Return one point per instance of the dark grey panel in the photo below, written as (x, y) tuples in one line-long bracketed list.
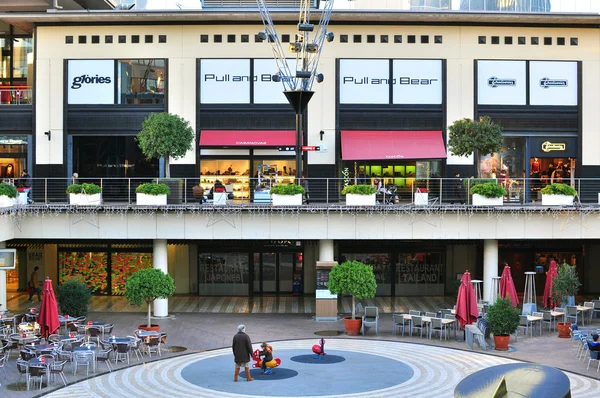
[(532, 120), (108, 118), (358, 119), (246, 119), (16, 118)]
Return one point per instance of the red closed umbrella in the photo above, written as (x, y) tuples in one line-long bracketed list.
[(507, 286), (550, 276), (466, 302), (48, 318)]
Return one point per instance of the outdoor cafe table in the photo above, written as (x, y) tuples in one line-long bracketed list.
[(47, 363), (556, 314), (38, 348), (23, 340), (427, 320), (97, 324), (119, 340), (83, 348), (583, 311), (538, 319)]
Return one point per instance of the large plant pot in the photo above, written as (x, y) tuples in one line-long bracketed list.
[(82, 199), (352, 326), (564, 330), (501, 342), (557, 200), (176, 187), (5, 201), (150, 200), (360, 200), (480, 200), (151, 328), (287, 200)]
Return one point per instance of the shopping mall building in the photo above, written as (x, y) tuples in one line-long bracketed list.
[(75, 87)]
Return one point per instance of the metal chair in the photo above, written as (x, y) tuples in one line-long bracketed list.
[(572, 312), (104, 356), (589, 304), (153, 344), (438, 326), (23, 369), (136, 344), (9, 345), (3, 359), (414, 312), (525, 324), (431, 314), (417, 323), (547, 319), (82, 358), (452, 326), (36, 373), (122, 351), (370, 318), (594, 356), (94, 332), (538, 314), (26, 355), (399, 322), (596, 307), (57, 368)]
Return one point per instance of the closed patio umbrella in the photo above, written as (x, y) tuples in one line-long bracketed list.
[(507, 287), (48, 318), (550, 276), (466, 302)]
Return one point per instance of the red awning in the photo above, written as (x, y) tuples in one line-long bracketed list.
[(380, 145), (247, 138)]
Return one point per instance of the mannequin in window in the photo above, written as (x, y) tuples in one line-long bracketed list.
[(535, 167), (9, 171), (557, 175), (493, 173)]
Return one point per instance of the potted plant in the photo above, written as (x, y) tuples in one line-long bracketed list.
[(357, 280), (8, 195), (480, 137), (504, 321), (84, 194), (488, 194), (152, 194), (287, 195), (558, 195), (564, 286), (147, 285), (73, 297), (359, 195)]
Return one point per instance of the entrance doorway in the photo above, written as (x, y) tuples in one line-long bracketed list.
[(277, 273)]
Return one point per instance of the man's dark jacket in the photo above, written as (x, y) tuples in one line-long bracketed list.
[(242, 347)]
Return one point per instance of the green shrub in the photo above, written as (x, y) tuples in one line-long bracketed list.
[(565, 285), (489, 190), (8, 190), (73, 298), (559, 189), (360, 189), (87, 188), (287, 189), (503, 317), (353, 278), (153, 189)]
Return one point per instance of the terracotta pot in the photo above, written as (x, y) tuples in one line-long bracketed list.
[(501, 342), (151, 328), (352, 326), (564, 330)]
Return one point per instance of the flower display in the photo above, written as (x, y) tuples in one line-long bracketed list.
[(90, 267), (123, 265)]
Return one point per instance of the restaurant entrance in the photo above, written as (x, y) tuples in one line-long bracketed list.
[(277, 273)]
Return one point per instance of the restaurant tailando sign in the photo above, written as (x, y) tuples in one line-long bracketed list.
[(228, 81), (506, 82), (367, 81)]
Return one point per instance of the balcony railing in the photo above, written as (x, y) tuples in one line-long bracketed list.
[(15, 96), (321, 191)]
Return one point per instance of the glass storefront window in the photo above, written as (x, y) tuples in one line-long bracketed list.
[(223, 274), (141, 81), (21, 48), (123, 265), (381, 269), (4, 59), (13, 156), (421, 273), (233, 173), (90, 267)]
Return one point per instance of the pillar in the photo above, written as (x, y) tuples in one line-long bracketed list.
[(326, 250), (3, 282), (490, 266), (160, 258)]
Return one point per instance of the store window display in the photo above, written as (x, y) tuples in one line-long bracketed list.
[(13, 157), (233, 173), (141, 81)]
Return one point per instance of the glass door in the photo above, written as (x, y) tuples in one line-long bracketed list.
[(276, 273), (269, 273)]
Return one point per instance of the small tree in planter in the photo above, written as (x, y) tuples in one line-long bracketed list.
[(152, 194), (558, 194), (357, 280), (481, 137), (73, 297), (147, 285), (504, 321), (287, 195), (84, 194), (8, 195)]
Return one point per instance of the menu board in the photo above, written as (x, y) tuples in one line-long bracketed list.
[(7, 258), (322, 291)]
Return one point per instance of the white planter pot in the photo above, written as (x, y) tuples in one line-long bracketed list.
[(150, 200), (557, 200), (22, 198), (479, 200), (287, 200), (360, 200), (80, 199), (421, 198), (219, 198), (5, 201)]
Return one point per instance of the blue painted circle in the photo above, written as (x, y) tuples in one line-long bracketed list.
[(325, 360), (358, 373)]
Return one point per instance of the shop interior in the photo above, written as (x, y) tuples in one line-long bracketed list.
[(13, 157), (550, 171)]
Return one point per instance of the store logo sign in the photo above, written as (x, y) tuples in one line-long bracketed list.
[(250, 143), (78, 81), (403, 80), (394, 156), (547, 83), (554, 146), (494, 82)]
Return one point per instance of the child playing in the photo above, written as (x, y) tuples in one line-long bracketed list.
[(267, 352)]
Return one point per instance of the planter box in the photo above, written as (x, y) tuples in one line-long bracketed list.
[(421, 198), (360, 200), (5, 201), (150, 200), (479, 200), (80, 199), (557, 200), (287, 200)]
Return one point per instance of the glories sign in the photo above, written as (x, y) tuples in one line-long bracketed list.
[(91, 82)]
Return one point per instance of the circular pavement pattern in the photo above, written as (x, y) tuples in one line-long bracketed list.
[(436, 372)]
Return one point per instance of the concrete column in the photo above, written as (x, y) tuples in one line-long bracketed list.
[(161, 261), (326, 250), (490, 266), (3, 283)]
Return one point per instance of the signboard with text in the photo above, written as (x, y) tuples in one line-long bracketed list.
[(91, 81), (552, 83), (417, 81), (8, 259), (364, 81), (322, 290), (501, 83)]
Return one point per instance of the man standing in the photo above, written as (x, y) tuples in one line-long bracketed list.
[(242, 350), (34, 284)]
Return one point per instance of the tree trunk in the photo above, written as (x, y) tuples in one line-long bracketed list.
[(167, 167), (149, 315), (353, 309)]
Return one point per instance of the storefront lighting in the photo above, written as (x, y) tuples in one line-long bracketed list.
[(330, 36), (312, 48), (295, 47), (262, 36), (306, 27), (276, 78), (320, 78)]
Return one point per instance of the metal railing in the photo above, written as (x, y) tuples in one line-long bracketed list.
[(393, 191), (15, 96)]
